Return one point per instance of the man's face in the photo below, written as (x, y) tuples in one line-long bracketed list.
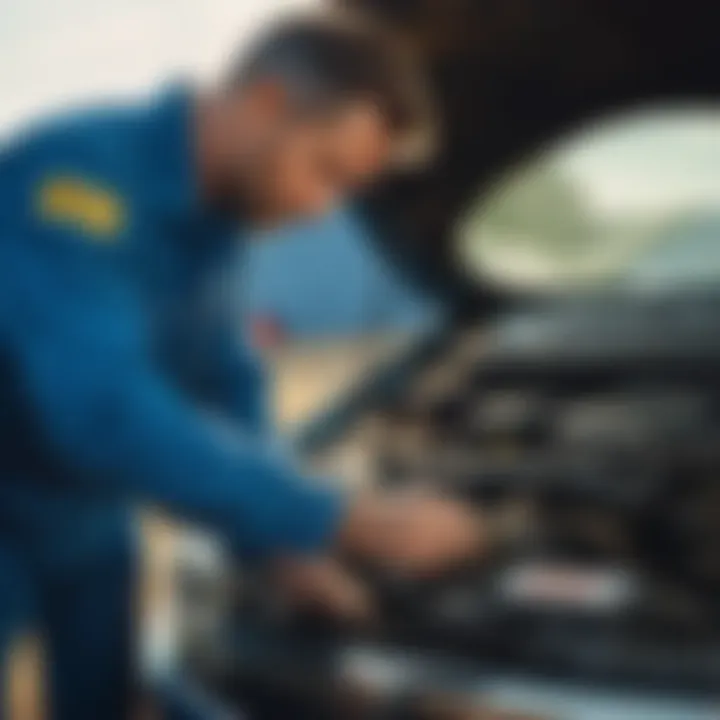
[(302, 166)]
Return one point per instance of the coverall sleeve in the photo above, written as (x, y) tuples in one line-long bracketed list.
[(72, 326), (239, 380)]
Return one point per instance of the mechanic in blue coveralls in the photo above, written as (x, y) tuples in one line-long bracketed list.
[(123, 382)]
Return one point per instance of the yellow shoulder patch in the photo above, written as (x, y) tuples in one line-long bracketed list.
[(96, 211)]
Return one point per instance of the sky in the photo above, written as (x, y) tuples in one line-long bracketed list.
[(57, 52)]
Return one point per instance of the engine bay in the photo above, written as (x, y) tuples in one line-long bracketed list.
[(608, 498), (604, 481), (600, 477)]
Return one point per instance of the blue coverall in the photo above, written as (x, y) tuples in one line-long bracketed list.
[(122, 382)]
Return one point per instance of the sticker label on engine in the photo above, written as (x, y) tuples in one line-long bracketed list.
[(557, 585)]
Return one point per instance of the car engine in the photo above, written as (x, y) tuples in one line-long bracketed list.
[(597, 474), (600, 473)]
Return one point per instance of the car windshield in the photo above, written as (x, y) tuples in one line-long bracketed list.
[(634, 200)]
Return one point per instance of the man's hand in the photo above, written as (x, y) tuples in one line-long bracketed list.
[(418, 534), (323, 585)]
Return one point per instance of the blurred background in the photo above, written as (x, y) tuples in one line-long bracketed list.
[(602, 203), (624, 203)]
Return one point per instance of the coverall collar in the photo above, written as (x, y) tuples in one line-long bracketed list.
[(173, 165), (172, 154)]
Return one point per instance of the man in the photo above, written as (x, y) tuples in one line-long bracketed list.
[(122, 381)]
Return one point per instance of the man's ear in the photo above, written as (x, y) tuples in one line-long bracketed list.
[(268, 99)]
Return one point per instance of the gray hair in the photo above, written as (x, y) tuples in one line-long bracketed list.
[(327, 60)]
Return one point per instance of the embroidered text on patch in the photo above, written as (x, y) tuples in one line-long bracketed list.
[(98, 212)]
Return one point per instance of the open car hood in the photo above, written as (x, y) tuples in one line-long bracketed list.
[(510, 76)]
